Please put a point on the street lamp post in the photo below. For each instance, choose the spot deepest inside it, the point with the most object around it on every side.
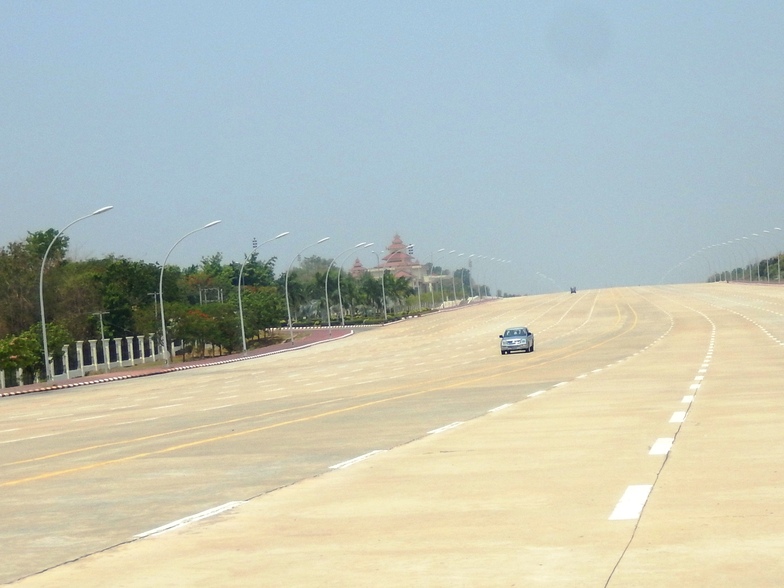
(733, 275)
(756, 259)
(103, 343)
(49, 368)
(432, 289)
(288, 271)
(454, 294)
(160, 287)
(742, 256)
(440, 274)
(326, 279)
(100, 320)
(383, 289)
(481, 287)
(767, 258)
(462, 279)
(239, 287)
(470, 281)
(484, 279)
(340, 298)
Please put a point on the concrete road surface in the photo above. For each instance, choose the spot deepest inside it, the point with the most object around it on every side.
(641, 444)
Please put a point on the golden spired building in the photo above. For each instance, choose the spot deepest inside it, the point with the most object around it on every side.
(400, 262)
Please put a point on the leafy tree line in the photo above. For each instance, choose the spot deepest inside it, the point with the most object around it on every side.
(118, 297)
(765, 270)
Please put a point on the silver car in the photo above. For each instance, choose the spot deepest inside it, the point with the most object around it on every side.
(517, 339)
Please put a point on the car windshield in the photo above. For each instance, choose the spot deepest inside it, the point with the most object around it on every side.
(514, 333)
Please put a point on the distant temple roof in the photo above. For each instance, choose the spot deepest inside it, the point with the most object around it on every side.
(398, 255)
(399, 262)
(357, 269)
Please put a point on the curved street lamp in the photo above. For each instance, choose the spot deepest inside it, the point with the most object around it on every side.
(756, 259)
(432, 289)
(288, 271)
(453, 279)
(440, 274)
(160, 287)
(383, 288)
(470, 282)
(49, 369)
(340, 298)
(742, 255)
(326, 278)
(239, 287)
(462, 281)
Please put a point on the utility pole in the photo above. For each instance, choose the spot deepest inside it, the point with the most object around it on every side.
(100, 318)
(155, 299)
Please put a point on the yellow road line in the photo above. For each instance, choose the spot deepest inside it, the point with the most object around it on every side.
(461, 382)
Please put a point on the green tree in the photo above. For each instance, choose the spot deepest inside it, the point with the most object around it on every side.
(127, 286)
(38, 241)
(22, 351)
(373, 291)
(263, 308)
(398, 289)
(19, 271)
(25, 350)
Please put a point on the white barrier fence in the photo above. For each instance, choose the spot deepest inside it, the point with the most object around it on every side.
(99, 356)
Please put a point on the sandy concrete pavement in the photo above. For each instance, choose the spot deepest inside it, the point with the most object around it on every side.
(525, 496)
(304, 338)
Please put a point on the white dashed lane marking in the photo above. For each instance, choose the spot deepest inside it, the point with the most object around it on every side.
(445, 428)
(350, 462)
(678, 416)
(630, 505)
(662, 446)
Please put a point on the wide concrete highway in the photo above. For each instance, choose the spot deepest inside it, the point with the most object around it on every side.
(641, 444)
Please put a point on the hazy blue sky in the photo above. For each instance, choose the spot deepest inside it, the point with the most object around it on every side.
(598, 143)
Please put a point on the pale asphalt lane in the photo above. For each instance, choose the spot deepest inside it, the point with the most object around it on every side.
(640, 445)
